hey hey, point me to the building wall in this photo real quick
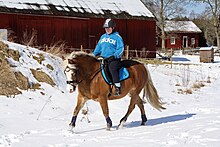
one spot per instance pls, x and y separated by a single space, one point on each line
76 31
179 41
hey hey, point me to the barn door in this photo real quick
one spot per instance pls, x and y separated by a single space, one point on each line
185 41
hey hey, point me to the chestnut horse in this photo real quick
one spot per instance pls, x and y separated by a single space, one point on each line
85 72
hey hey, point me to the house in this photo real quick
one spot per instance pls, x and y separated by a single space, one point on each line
180 35
79 22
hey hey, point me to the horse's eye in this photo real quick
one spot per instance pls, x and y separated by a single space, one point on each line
71 61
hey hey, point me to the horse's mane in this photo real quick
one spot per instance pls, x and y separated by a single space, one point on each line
81 54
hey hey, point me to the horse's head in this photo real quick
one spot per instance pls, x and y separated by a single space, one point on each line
78 66
71 74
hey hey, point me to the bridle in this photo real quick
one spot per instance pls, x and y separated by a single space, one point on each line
78 81
75 70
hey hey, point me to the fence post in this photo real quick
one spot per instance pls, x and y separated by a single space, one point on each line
127 52
81 48
171 59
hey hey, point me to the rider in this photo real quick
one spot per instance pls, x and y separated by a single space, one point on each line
111 48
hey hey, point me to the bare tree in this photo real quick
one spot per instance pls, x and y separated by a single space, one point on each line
203 21
214 8
165 9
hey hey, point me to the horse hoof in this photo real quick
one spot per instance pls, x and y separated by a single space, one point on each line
108 127
143 123
121 125
71 127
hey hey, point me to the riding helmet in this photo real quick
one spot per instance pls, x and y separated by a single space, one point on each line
109 23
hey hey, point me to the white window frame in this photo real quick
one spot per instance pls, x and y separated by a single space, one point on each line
172 40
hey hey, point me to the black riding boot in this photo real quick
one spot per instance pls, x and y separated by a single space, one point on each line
117 91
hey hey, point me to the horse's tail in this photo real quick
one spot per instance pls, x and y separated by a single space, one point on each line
151 94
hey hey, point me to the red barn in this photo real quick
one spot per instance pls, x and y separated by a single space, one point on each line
79 22
180 34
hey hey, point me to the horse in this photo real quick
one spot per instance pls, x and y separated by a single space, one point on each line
86 74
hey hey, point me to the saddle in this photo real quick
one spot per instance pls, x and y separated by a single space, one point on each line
123 73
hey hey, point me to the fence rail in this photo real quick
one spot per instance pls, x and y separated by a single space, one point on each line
128 54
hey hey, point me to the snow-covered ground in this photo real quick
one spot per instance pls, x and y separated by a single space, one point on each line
34 119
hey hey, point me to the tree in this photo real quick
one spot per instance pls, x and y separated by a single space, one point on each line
163 10
214 9
203 22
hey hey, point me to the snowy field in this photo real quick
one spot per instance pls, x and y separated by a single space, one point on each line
34 119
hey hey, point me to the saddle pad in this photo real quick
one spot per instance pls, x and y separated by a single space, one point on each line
123 75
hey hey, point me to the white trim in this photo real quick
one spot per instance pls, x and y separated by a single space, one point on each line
193 41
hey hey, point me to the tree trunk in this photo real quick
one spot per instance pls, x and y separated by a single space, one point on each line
218 39
163 39
162 25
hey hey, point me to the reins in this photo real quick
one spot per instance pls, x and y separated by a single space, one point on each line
69 69
72 83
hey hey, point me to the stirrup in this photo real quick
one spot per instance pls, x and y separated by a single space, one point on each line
117 91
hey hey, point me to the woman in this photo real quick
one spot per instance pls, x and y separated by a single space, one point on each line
111 48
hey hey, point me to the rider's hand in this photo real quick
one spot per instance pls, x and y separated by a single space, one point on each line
100 58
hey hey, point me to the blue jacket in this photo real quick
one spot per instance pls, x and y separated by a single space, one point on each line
110 44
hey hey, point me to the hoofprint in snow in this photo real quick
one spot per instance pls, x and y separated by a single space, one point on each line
192 120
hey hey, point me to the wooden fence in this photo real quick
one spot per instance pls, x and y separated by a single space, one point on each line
128 54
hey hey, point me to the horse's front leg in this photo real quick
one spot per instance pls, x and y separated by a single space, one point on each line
104 105
80 103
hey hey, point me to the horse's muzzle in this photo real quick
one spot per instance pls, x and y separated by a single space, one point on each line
69 82
73 84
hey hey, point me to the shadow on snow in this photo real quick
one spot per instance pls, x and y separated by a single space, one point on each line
180 59
150 122
157 121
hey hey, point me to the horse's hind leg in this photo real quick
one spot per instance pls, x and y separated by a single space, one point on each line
130 109
141 106
80 103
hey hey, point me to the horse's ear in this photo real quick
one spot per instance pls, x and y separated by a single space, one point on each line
71 61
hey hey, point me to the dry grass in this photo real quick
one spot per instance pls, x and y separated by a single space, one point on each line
49 66
42 77
39 58
208 79
11 35
150 61
8 81
188 91
11 82
56 48
29 37
185 91
22 81
198 85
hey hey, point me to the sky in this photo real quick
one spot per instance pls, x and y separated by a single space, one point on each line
196 7
190 120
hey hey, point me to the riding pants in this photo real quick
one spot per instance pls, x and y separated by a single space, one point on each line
114 67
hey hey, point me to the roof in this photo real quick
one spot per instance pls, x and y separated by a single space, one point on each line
181 26
97 8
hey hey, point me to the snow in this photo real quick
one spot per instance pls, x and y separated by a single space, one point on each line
182 26
206 48
132 7
190 120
